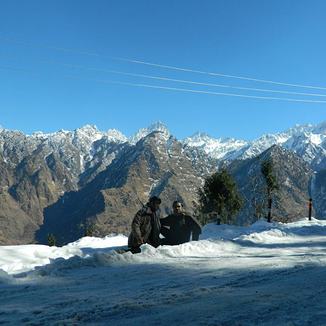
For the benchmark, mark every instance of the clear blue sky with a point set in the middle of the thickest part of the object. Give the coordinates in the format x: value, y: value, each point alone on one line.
x: 43, y: 86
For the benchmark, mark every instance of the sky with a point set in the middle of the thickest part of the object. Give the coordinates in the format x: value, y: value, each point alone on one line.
x: 233, y: 276
x: 67, y: 63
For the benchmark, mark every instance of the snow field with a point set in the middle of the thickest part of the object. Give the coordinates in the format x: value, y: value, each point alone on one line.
x: 264, y: 274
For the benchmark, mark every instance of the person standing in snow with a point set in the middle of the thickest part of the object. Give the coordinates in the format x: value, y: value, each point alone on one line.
x: 145, y: 227
x: 179, y: 226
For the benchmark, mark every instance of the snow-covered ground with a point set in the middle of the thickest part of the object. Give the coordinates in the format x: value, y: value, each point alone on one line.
x: 265, y: 274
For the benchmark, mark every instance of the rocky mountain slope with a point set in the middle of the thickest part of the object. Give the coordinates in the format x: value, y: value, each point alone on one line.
x: 156, y: 165
x: 293, y: 177
x: 68, y: 182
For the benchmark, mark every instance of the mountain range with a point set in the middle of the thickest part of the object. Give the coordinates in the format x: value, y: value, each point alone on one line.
x: 65, y: 183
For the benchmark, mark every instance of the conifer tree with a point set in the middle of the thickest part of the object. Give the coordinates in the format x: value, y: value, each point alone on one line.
x: 51, y: 240
x: 267, y: 169
x: 220, y: 195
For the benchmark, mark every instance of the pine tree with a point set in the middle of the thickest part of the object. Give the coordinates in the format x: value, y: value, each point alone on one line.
x: 220, y: 195
x: 267, y: 169
x: 257, y: 201
x: 89, y: 230
x: 51, y: 240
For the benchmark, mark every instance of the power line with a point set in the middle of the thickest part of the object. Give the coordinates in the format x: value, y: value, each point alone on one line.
x: 160, y: 65
x: 178, y: 89
x: 208, y: 92
x: 218, y: 74
x: 48, y: 47
x: 193, y: 82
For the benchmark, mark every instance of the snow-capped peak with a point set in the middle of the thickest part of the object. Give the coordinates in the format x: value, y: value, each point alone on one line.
x: 308, y: 141
x: 116, y: 136
x: 89, y: 132
x: 53, y: 137
x: 141, y: 133
x: 198, y: 139
x: 217, y: 148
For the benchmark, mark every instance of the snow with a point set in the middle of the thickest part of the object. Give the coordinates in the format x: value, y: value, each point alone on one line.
x: 218, y: 148
x: 143, y: 132
x: 316, y: 139
x: 16, y: 259
x: 115, y: 135
x: 264, y: 274
x: 306, y: 140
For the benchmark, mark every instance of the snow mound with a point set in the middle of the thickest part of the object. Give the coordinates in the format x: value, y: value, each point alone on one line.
x: 17, y: 259
x: 194, y: 249
x: 93, y: 242
x: 216, y: 241
x: 265, y: 236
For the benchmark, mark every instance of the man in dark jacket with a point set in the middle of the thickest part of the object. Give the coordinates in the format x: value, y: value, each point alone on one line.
x: 178, y: 227
x: 145, y: 227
